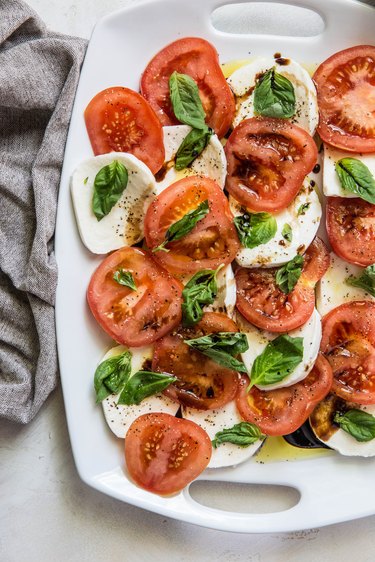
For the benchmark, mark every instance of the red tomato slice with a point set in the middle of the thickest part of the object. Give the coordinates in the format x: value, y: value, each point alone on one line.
x: 263, y: 304
x: 202, y: 383
x: 348, y: 342
x: 199, y: 59
x: 351, y: 229
x: 120, y: 120
x: 268, y: 160
x: 346, y: 97
x: 212, y: 241
x: 282, y: 411
x: 140, y: 317
x: 163, y: 453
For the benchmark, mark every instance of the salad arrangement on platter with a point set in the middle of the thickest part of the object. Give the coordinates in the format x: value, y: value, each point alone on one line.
x: 233, y: 320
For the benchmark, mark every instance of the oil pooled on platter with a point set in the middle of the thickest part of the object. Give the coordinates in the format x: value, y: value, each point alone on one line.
x: 231, y: 66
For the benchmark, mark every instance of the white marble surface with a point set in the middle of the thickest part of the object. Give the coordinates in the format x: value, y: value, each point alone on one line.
x: 47, y: 513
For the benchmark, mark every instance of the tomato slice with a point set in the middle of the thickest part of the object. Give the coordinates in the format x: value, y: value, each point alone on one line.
x: 345, y: 84
x: 348, y: 342
x: 282, y: 411
x: 140, y: 317
x: 268, y: 160
x: 263, y: 304
x: 212, y: 241
x: 120, y: 120
x: 163, y: 453
x: 351, y: 229
x: 202, y: 383
x: 199, y: 59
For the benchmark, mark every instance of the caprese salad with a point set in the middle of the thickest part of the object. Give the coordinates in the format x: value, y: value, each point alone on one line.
x: 232, y: 320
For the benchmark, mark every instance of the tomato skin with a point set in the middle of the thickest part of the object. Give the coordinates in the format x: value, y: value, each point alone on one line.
x: 199, y: 59
x: 268, y: 160
x: 213, y: 241
x: 348, y: 342
x: 202, y: 384
x: 134, y: 318
x: 282, y: 411
x: 118, y: 119
x: 263, y: 304
x: 346, y: 99
x: 164, y: 453
x: 351, y: 229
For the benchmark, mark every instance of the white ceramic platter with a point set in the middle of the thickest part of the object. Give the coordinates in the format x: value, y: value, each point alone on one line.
x: 332, y: 488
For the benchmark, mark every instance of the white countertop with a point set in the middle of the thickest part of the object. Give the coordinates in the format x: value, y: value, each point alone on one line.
x: 47, y: 513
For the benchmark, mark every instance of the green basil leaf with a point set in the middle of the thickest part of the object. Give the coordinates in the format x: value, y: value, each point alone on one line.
x: 288, y: 275
x: 109, y: 185
x: 186, y: 103
x: 192, y: 146
x: 125, y: 278
x: 183, y: 226
x: 143, y: 384
x: 255, y: 229
x: 355, y: 177
x: 242, y: 434
x: 302, y: 209
x: 111, y: 375
x: 365, y: 281
x: 359, y: 424
x: 277, y: 361
x: 274, y: 96
x: 199, y: 291
x: 287, y: 233
x: 222, y: 348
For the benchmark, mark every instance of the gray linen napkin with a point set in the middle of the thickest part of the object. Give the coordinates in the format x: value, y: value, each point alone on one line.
x: 39, y: 72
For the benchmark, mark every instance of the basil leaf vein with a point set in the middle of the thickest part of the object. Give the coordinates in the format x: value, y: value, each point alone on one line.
x: 365, y: 281
x: 274, y: 96
x: 187, y: 105
x: 242, y: 434
x: 355, y: 177
x: 287, y: 276
x: 359, y: 424
x: 255, y: 229
x: 200, y: 290
x: 143, y: 384
x: 222, y: 348
x: 123, y: 277
x: 109, y: 185
x: 111, y: 375
x: 192, y: 146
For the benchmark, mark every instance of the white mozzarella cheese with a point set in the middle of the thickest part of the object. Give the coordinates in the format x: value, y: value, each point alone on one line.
x: 225, y: 300
x: 243, y: 80
x: 211, y: 162
x: 331, y: 183
x: 213, y: 421
x: 311, y: 332
x: 332, y: 289
x: 119, y: 417
x: 278, y: 250
x: 123, y: 226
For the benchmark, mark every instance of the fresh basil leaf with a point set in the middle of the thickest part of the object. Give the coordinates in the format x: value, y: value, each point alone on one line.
x: 199, y: 291
x: 242, y: 434
x: 125, y: 278
x: 183, y: 226
x: 111, y: 375
x: 274, y: 96
x: 303, y: 208
x: 288, y: 275
x: 287, y: 233
x: 355, y: 177
x: 280, y: 357
x: 85, y: 180
x: 186, y: 103
x: 222, y: 348
x: 255, y: 229
x: 109, y: 185
x: 365, y: 281
x: 143, y: 384
x: 359, y: 424
x: 192, y: 146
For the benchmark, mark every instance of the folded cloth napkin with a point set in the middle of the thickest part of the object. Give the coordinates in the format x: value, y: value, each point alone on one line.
x: 39, y: 72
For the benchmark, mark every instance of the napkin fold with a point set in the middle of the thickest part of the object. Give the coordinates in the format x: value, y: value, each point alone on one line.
x: 39, y: 72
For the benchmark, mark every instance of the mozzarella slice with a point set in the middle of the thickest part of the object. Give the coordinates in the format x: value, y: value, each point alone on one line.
x: 123, y: 226
x: 119, y: 417
x: 243, y: 81
x: 225, y: 300
x: 332, y: 289
x: 311, y: 332
x: 278, y: 250
x: 213, y: 421
x: 331, y: 183
x: 338, y: 439
x: 211, y: 162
